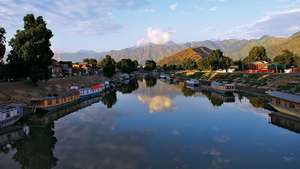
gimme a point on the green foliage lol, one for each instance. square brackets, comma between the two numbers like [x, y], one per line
[92, 62]
[2, 43]
[257, 53]
[288, 59]
[129, 87]
[109, 99]
[216, 60]
[31, 53]
[108, 64]
[189, 64]
[150, 65]
[150, 81]
[127, 65]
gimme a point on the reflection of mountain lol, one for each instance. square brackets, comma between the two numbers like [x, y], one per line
[157, 103]
[285, 121]
[36, 151]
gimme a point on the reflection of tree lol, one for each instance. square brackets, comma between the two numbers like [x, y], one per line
[256, 102]
[187, 92]
[129, 88]
[215, 101]
[150, 81]
[109, 99]
[36, 151]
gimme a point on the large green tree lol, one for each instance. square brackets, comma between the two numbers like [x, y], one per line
[257, 53]
[91, 61]
[150, 65]
[189, 64]
[108, 65]
[2, 43]
[127, 65]
[216, 60]
[288, 59]
[31, 53]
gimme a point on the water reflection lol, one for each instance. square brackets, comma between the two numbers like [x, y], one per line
[128, 87]
[188, 92]
[285, 121]
[36, 150]
[217, 99]
[109, 98]
[156, 103]
[150, 81]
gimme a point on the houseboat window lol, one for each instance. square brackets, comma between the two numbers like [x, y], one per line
[49, 102]
[57, 101]
[292, 106]
[278, 101]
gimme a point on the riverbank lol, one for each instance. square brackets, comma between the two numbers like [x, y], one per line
[23, 91]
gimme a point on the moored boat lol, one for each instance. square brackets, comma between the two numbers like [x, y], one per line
[163, 77]
[193, 82]
[51, 103]
[222, 88]
[90, 92]
[285, 103]
[10, 114]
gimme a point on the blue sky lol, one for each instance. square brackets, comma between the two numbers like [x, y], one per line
[103, 25]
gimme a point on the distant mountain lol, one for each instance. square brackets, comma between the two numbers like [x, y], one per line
[195, 54]
[78, 56]
[236, 49]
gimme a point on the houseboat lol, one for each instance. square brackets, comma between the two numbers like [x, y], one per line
[90, 92]
[52, 103]
[286, 121]
[10, 114]
[193, 82]
[222, 88]
[285, 103]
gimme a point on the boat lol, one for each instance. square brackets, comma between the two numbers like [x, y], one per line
[222, 88]
[10, 114]
[90, 92]
[286, 121]
[285, 102]
[124, 77]
[52, 103]
[163, 77]
[193, 82]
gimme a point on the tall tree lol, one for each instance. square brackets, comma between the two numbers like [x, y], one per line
[257, 53]
[287, 59]
[150, 65]
[126, 65]
[108, 64]
[92, 62]
[189, 64]
[216, 60]
[31, 49]
[2, 43]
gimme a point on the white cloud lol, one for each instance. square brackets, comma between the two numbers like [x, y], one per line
[214, 8]
[156, 36]
[85, 17]
[173, 7]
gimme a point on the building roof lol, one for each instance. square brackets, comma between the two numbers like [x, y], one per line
[285, 96]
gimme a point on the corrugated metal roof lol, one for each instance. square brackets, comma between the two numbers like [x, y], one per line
[285, 96]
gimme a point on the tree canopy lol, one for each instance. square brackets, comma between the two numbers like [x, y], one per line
[150, 65]
[189, 64]
[127, 65]
[257, 53]
[2, 43]
[92, 62]
[216, 60]
[31, 54]
[108, 64]
[287, 59]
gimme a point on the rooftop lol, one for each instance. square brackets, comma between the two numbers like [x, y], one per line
[285, 96]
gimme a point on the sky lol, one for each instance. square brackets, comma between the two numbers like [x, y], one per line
[103, 25]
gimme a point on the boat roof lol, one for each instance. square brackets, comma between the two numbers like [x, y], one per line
[285, 96]
[66, 94]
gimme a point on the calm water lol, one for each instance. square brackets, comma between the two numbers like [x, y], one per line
[155, 125]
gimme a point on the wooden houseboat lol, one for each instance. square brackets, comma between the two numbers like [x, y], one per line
[10, 114]
[222, 87]
[52, 103]
[285, 103]
[90, 92]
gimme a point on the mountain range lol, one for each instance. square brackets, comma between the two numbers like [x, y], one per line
[233, 48]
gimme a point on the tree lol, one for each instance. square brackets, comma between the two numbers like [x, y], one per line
[127, 65]
[288, 59]
[189, 64]
[257, 53]
[150, 65]
[150, 81]
[91, 62]
[2, 43]
[216, 60]
[108, 64]
[31, 54]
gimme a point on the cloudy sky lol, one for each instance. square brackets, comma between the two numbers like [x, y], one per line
[102, 25]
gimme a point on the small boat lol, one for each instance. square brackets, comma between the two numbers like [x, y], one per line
[10, 114]
[222, 88]
[52, 103]
[193, 82]
[90, 92]
[163, 77]
[285, 102]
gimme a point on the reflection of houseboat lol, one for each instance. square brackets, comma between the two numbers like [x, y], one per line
[222, 87]
[285, 103]
[286, 121]
[226, 98]
[10, 114]
[52, 103]
[193, 82]
[124, 76]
